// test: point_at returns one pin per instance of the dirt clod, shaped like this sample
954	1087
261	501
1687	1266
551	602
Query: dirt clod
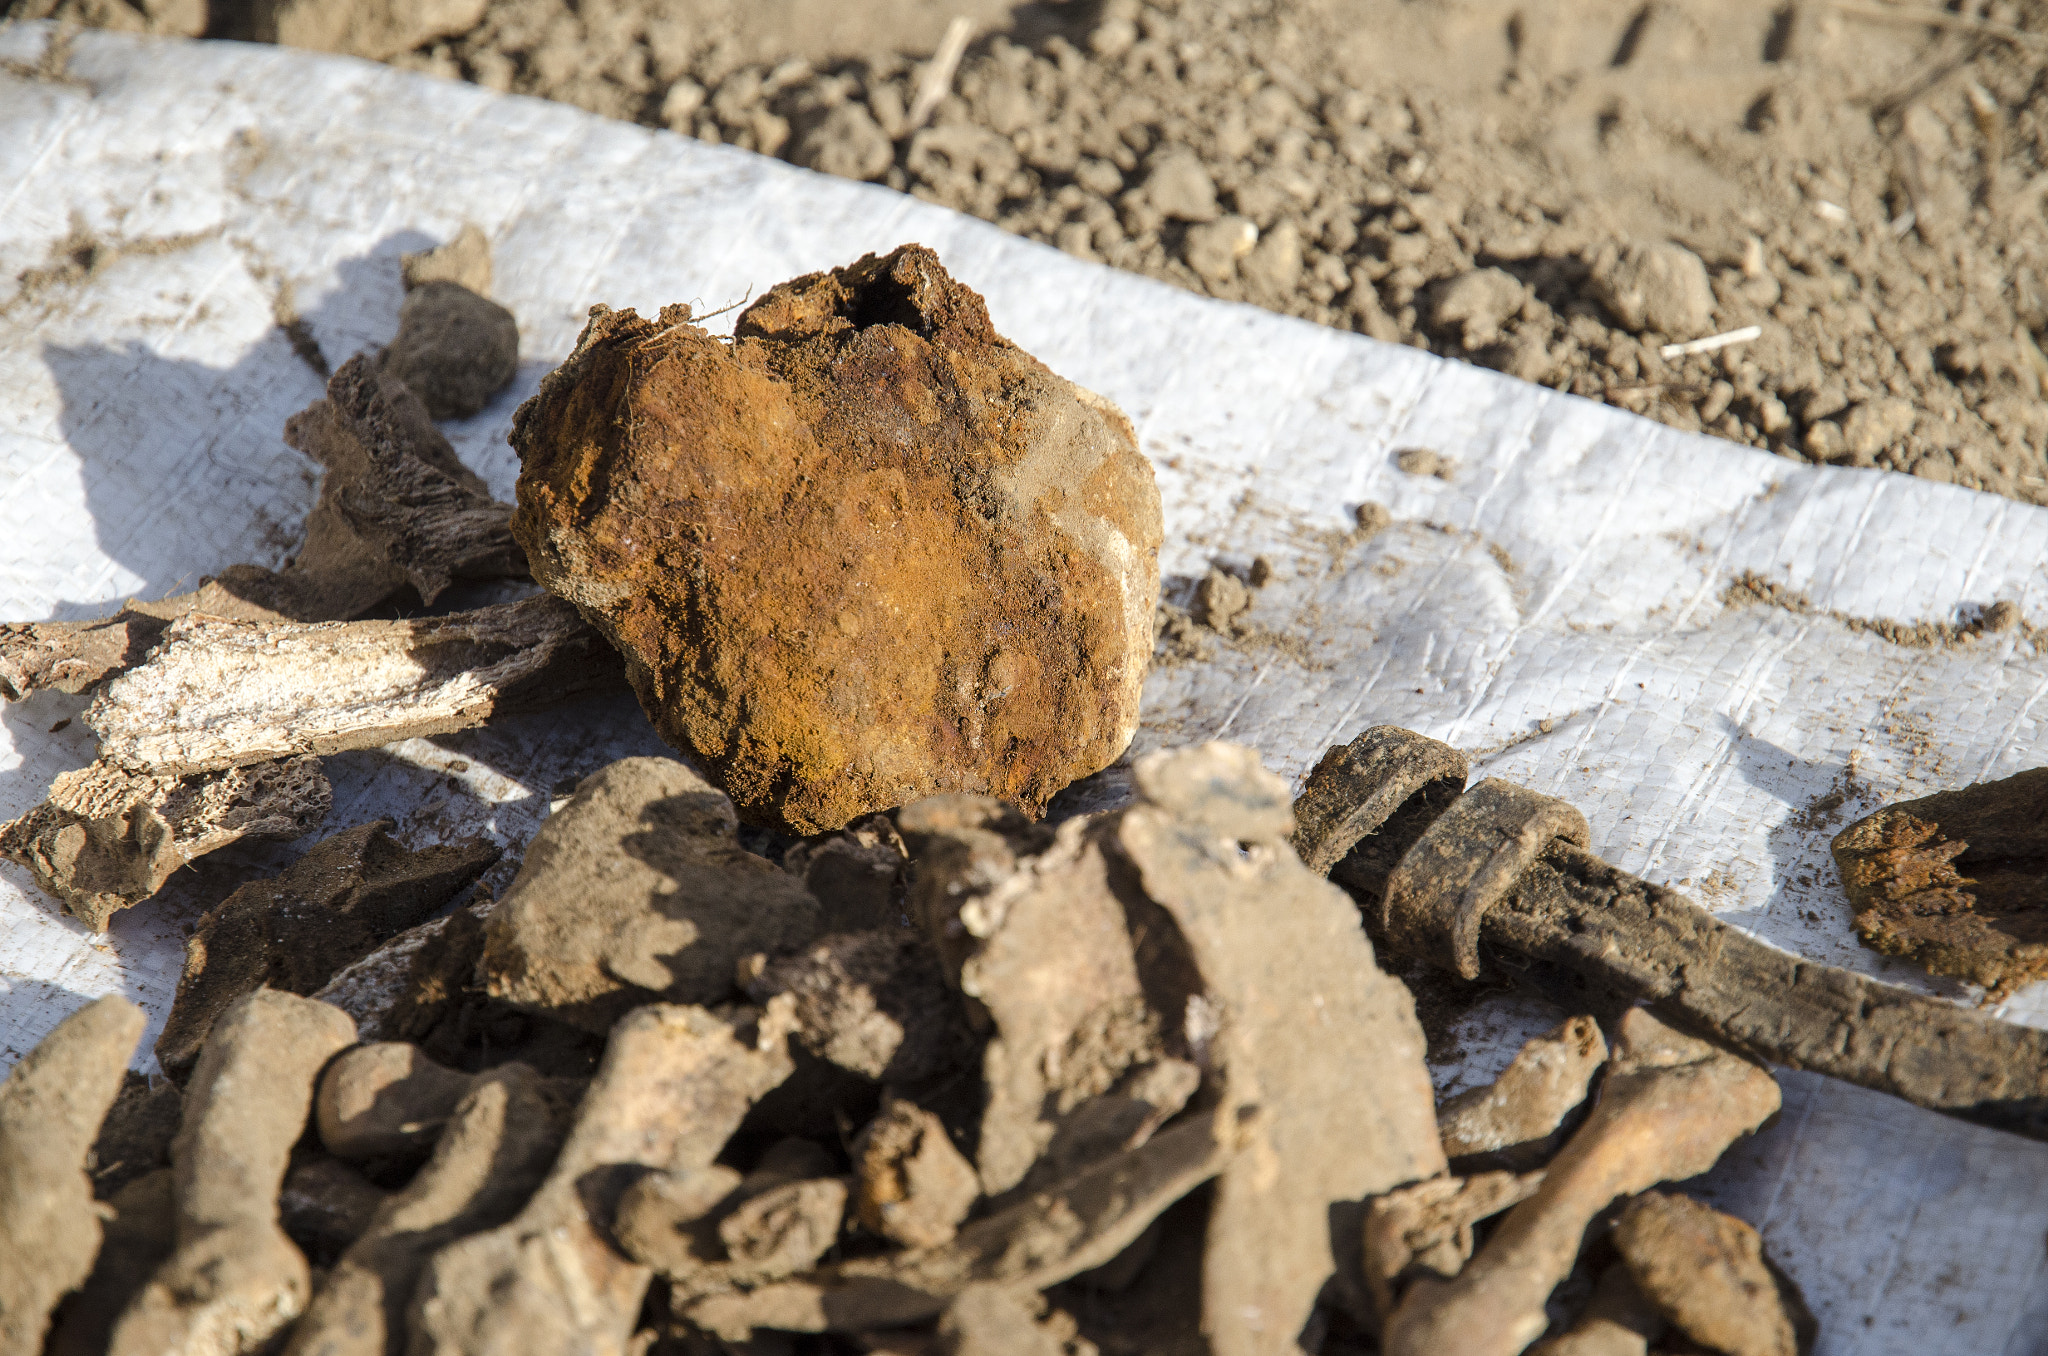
349	893
957	593
385	1098
637	889
873	1003
455	349
1957	881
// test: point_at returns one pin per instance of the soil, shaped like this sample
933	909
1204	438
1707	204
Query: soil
1554	190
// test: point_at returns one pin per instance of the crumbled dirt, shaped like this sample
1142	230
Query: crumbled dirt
1020	543
1555	191
1955	881
1750	589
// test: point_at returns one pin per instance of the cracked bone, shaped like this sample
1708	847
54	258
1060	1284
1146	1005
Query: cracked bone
106	839
51	1106
675	1084
1668	1108
235	1280
220	694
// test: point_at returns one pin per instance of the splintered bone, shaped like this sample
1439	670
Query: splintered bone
221	694
1669	1106
107	838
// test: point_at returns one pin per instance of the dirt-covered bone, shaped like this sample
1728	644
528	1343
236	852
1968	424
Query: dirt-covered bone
350	892
1957	881
1426	1228
222	694
991	1320
1617	1321
638	889
106	839
1041	1240
325	1205
1049	956
868	551
874	1003
1706	1273
385	1098
1669	1106
669	1222
914	1187
235	1280
401	990
1622	938
786	1228
51	1106
1518	1120
137	1239
1320	1053
708	1230
77	656
494	1152
397	506
675	1083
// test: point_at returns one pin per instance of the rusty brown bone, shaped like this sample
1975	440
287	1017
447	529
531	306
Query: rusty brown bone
1567	908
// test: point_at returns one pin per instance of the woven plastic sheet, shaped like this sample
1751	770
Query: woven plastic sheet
1556	602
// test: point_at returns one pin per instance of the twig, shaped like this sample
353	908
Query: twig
1725	339
1940	18
938	76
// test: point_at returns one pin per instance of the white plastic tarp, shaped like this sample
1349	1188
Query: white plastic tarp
1554	604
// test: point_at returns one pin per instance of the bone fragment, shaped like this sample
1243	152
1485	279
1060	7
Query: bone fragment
402	989
235	1279
874	1003
51	1106
1517	1121
397	507
1705	1272
786	1228
106	838
1041	940
1321	1053
1041	1240
637	889
487	1162
989	1320
668	1220
385	1098
77	656
857	874
350	892
675	1083
914	1186
222	694
1668	1108
1617	1321
709	1230
1426	1229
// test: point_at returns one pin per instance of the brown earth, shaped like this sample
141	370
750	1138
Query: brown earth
1555	190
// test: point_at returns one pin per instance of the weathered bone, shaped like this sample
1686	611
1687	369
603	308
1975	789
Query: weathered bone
51	1106
1426	1228
494	1151
1617	1321
106	839
675	1084
1638	941
221	694
1040	1241
1516	1121
235	1280
1669	1106
385	1098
